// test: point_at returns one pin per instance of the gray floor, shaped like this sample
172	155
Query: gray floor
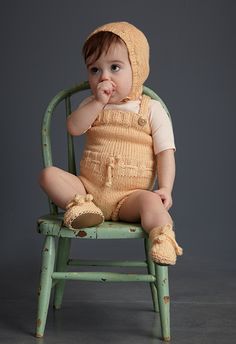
203	309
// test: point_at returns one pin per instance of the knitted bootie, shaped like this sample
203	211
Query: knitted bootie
164	247
81	212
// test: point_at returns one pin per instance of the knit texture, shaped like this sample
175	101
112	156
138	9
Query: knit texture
81	212
164	247
138	49
118	157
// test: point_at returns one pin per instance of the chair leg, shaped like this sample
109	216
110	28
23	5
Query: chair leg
48	259
151	270
63	252
162	284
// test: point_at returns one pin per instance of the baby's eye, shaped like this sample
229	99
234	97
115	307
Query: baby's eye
94	70
115	68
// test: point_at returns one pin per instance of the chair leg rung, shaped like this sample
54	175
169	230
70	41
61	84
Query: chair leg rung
107	263
103	277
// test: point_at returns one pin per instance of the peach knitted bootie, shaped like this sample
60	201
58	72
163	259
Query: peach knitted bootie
164	247
81	212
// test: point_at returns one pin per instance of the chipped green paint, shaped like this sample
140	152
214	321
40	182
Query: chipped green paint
81	234
166	299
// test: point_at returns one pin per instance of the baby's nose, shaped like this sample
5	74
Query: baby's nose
105	76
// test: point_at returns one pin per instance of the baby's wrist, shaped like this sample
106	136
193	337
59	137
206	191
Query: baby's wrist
167	188
99	103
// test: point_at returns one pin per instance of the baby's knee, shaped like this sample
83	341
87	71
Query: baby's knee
149	198
46	174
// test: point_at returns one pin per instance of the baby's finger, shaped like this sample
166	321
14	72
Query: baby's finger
166	204
162	196
107	91
113	85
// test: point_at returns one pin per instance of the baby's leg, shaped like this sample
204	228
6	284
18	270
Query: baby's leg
60	186
68	192
147	207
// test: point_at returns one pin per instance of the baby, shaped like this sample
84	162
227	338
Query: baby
129	142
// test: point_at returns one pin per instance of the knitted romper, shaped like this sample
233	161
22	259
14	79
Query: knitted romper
118	158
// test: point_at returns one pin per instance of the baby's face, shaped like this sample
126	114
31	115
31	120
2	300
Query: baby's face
113	66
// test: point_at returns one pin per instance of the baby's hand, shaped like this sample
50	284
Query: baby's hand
104	91
165	196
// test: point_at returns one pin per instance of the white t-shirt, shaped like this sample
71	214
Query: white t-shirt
162	131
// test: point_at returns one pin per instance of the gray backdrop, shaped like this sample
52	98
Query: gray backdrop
193	54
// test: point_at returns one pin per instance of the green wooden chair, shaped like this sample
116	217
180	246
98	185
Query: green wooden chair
56	259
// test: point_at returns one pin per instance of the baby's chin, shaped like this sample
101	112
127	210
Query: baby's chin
114	99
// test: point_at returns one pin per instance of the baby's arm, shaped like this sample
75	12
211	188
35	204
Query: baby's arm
83	117
166	176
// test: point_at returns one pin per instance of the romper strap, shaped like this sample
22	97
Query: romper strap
143	111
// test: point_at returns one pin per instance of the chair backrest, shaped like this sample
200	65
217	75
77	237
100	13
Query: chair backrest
65	95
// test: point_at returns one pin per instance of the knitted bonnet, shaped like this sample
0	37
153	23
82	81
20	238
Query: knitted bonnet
138	49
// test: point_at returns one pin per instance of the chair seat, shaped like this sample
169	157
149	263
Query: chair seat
53	225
